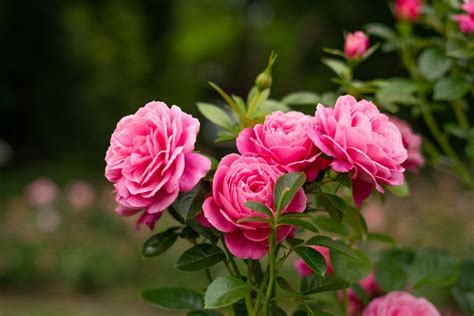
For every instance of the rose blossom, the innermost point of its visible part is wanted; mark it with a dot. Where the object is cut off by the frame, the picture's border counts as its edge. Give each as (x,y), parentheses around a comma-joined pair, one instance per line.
(412,143)
(356,45)
(465,22)
(304,270)
(41,192)
(361,141)
(400,303)
(408,9)
(283,139)
(239,179)
(151,159)
(468,6)
(80,195)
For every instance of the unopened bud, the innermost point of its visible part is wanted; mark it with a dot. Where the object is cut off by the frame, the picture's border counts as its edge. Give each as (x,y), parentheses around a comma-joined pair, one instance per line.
(263,81)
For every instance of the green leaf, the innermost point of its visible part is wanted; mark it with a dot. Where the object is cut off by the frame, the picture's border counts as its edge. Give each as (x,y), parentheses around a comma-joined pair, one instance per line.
(259,207)
(189,204)
(313,258)
(354,218)
(199,257)
(284,284)
(381,31)
(349,268)
(226,97)
(329,225)
(463,291)
(286,187)
(395,91)
(316,284)
(173,298)
(254,219)
(433,267)
(298,222)
(360,293)
(450,89)
(225,291)
(391,274)
(159,243)
(433,63)
(333,204)
(339,68)
(301,98)
(270,106)
(215,114)
(382,238)
(332,244)
(400,190)
(203,312)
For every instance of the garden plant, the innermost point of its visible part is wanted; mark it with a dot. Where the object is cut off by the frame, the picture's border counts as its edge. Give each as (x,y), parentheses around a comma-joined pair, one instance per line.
(294,186)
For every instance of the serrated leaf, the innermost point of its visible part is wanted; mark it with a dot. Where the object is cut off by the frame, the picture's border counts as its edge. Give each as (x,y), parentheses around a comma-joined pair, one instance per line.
(354,218)
(382,238)
(259,207)
(225,291)
(284,284)
(434,268)
(301,98)
(339,68)
(433,63)
(254,219)
(159,243)
(313,258)
(315,284)
(215,114)
(298,222)
(450,89)
(348,268)
(286,187)
(200,257)
(332,244)
(189,204)
(173,298)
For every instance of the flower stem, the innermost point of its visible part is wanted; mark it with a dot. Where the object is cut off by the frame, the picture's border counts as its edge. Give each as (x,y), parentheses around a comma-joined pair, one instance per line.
(271,267)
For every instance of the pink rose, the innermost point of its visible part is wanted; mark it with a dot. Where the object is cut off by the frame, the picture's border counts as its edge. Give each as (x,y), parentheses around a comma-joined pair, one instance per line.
(239,179)
(151,159)
(468,6)
(361,141)
(400,303)
(80,195)
(356,45)
(409,10)
(465,22)
(412,143)
(370,287)
(41,192)
(283,139)
(304,270)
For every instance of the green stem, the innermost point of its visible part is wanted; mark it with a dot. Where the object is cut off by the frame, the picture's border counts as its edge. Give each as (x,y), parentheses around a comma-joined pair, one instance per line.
(271,267)
(258,300)
(248,297)
(209,275)
(460,115)
(430,121)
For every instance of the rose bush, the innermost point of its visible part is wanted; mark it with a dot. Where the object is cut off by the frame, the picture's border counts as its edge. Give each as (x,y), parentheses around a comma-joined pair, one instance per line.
(298,182)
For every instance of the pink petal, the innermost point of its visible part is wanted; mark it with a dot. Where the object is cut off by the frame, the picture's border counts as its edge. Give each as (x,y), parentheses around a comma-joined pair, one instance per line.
(196,167)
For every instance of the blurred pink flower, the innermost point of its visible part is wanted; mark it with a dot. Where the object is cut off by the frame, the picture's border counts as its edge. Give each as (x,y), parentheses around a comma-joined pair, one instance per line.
(356,45)
(375,216)
(465,22)
(151,159)
(400,303)
(412,143)
(362,142)
(371,289)
(409,10)
(41,192)
(468,6)
(80,195)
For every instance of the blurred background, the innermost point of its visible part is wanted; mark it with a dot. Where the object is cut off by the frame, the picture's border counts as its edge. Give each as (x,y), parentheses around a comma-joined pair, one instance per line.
(71,69)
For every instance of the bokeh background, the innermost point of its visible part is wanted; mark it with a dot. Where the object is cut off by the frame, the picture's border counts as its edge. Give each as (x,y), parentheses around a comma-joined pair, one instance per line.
(71,69)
